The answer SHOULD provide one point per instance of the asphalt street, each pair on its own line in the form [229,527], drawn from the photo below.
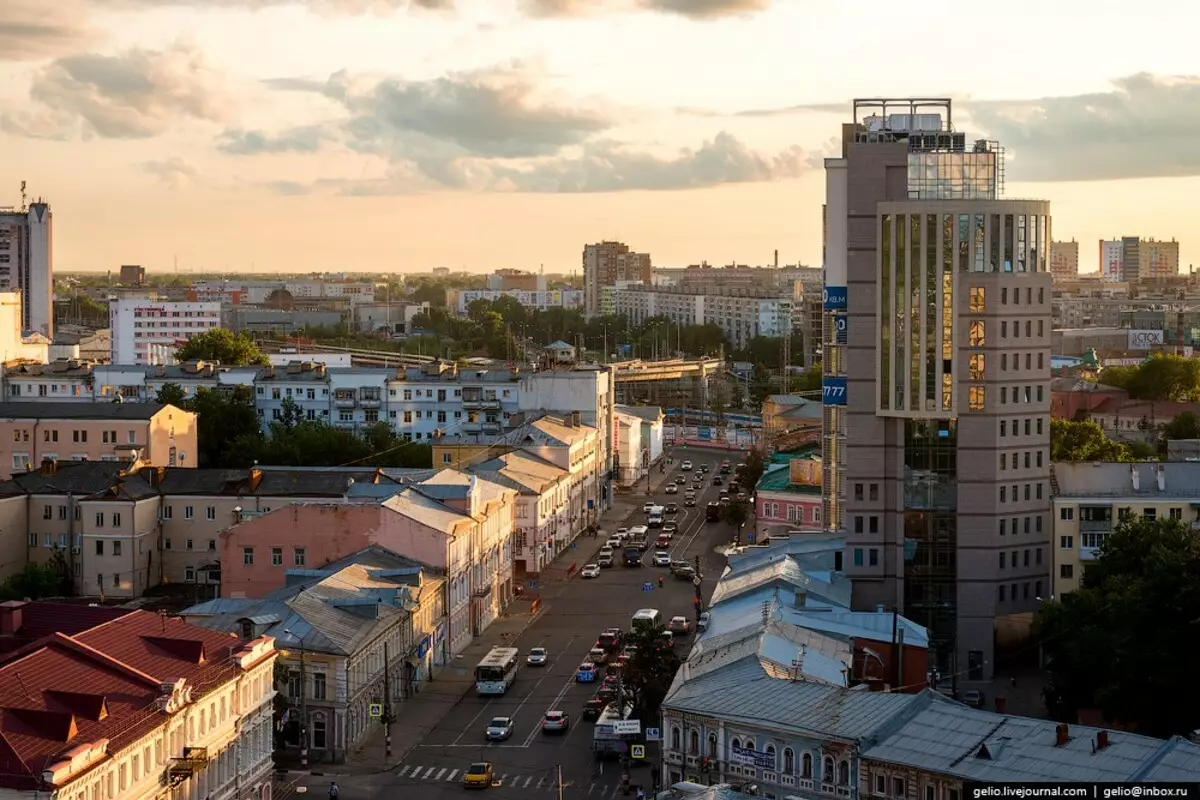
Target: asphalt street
[528,763]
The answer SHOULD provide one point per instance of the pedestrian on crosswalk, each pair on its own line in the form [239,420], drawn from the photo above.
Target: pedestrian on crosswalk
[333,789]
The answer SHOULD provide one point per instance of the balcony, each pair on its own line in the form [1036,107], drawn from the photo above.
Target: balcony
[344,401]
[1089,553]
[1095,526]
[480,404]
[370,402]
[194,760]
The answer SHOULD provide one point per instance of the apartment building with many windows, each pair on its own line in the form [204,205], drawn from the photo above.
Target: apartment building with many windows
[607,264]
[740,316]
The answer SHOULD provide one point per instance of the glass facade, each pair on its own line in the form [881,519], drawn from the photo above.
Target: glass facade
[930,531]
[885,317]
[953,176]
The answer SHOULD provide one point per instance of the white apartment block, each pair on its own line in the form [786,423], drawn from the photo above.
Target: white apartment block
[740,317]
[542,300]
[258,292]
[146,331]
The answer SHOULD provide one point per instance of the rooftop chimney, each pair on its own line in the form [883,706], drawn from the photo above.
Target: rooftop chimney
[10,617]
[1134,477]
[1062,735]
[1160,472]
[1101,740]
[49,467]
[801,598]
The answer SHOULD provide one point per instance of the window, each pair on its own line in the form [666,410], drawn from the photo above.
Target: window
[977,364]
[1002,494]
[806,765]
[827,770]
[1066,571]
[318,685]
[1000,593]
[99,547]
[675,738]
[1004,295]
[210,512]
[116,519]
[116,548]
[873,557]
[188,545]
[978,298]
[694,742]
[1039,426]
[1003,427]
[276,556]
[248,556]
[1002,558]
[116,579]
[858,524]
[898,787]
[976,400]
[844,773]
[977,335]
[929,793]
[1066,513]
[298,557]
[1003,395]
[1002,526]
[858,491]
[318,733]
[858,556]
[1004,329]
[873,492]
[189,512]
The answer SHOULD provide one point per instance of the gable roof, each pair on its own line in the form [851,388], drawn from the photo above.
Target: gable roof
[87,479]
[82,411]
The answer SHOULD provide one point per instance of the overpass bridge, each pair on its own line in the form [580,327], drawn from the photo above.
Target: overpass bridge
[671,369]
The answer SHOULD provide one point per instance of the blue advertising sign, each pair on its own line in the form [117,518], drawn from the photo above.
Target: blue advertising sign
[704,433]
[840,328]
[834,298]
[833,391]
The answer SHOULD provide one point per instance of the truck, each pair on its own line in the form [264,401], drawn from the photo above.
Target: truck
[656,516]
[712,512]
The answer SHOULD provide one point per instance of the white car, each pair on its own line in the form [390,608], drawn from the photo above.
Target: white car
[590,571]
[555,722]
[607,550]
[622,532]
[703,621]
[499,729]
[662,559]
[686,466]
[613,543]
[537,657]
[672,488]
[646,508]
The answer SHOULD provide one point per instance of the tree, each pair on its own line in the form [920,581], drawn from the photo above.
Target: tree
[752,468]
[1085,441]
[1160,377]
[1120,642]
[647,675]
[35,581]
[227,426]
[1184,426]
[171,394]
[432,293]
[218,344]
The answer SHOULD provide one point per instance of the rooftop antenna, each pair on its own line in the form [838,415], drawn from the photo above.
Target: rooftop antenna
[24,205]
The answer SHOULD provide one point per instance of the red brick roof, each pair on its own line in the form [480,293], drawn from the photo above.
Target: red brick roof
[42,619]
[103,682]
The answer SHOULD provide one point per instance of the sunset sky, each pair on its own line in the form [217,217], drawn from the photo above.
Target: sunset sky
[402,135]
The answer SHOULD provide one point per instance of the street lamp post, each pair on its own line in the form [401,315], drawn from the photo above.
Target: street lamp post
[303,702]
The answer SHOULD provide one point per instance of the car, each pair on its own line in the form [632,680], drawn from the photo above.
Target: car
[662,559]
[741,497]
[606,693]
[703,622]
[538,656]
[622,532]
[478,775]
[705,467]
[685,572]
[672,488]
[646,508]
[668,639]
[672,508]
[690,501]
[598,655]
[590,570]
[499,729]
[610,639]
[556,722]
[677,563]
[681,479]
[594,707]
[663,543]
[973,697]
[669,528]
[724,469]
[604,561]
[586,673]
[679,626]
[686,466]
[717,480]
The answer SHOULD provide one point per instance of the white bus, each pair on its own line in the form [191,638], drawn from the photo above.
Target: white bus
[497,671]
[647,618]
[615,731]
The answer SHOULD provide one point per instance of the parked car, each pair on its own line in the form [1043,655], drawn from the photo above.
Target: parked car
[703,622]
[679,626]
[662,559]
[672,488]
[499,729]
[591,570]
[556,722]
[604,561]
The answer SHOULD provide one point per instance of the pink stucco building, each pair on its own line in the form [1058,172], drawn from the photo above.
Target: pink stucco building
[452,522]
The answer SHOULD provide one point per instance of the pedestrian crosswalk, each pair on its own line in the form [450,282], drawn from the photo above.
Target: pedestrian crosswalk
[543,781]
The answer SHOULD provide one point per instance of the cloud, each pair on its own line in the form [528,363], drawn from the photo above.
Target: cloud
[175,172]
[32,30]
[693,9]
[1144,128]
[137,94]
[782,111]
[381,7]
[307,139]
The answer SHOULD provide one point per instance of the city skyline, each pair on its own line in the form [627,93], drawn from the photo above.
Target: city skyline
[494,136]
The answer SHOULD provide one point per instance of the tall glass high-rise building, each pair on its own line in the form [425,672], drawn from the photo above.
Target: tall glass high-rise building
[937,370]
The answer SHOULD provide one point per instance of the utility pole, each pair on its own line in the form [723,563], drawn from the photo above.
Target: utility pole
[303,710]
[387,709]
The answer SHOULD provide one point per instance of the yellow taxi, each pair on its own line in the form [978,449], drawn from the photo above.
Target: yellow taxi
[478,775]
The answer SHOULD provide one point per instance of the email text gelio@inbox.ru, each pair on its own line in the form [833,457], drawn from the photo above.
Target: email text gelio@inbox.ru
[1096,791]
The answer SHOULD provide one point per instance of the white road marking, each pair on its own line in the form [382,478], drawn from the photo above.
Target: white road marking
[528,781]
[541,780]
[425,777]
[450,777]
[441,773]
[404,771]
[500,782]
